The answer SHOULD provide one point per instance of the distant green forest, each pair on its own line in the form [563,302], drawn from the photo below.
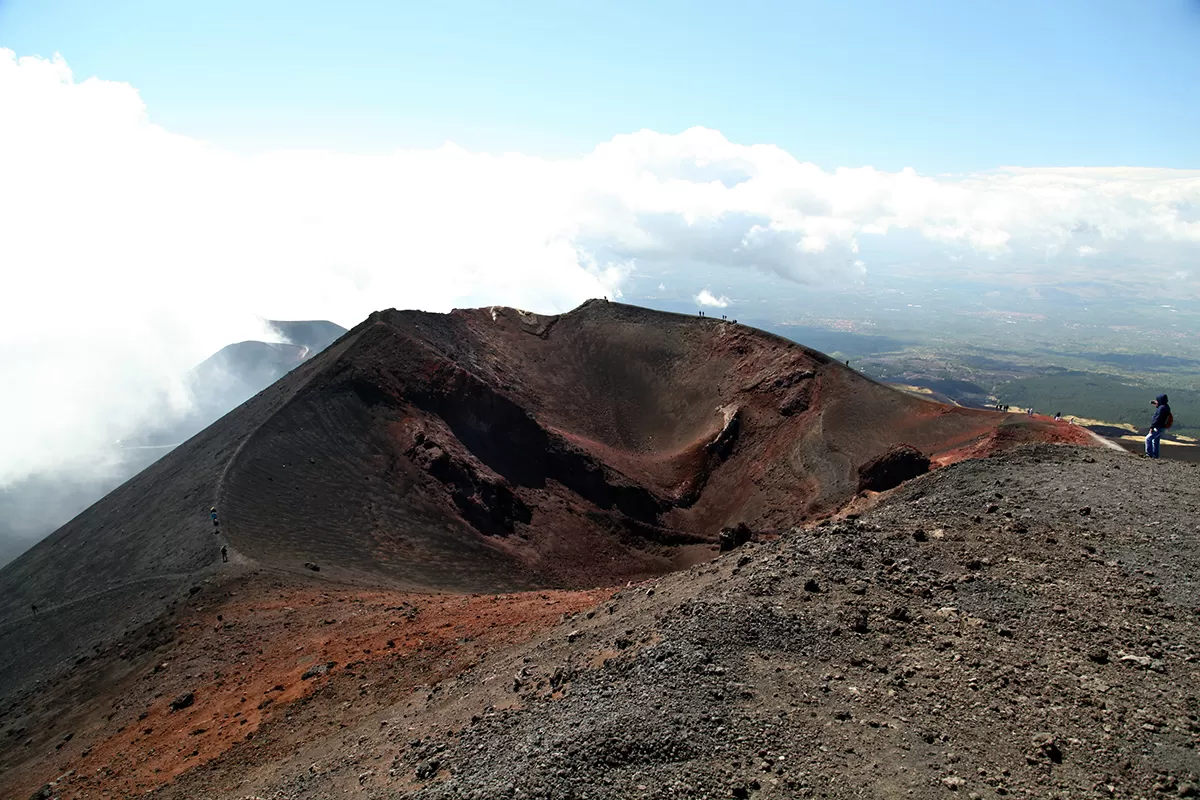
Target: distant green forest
[1103,397]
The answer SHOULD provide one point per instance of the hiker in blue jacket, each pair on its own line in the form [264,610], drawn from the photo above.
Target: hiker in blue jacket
[1162,420]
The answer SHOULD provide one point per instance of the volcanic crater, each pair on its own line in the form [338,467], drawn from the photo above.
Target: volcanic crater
[468,454]
[493,449]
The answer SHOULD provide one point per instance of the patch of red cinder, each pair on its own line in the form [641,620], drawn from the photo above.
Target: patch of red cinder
[1017,431]
[244,659]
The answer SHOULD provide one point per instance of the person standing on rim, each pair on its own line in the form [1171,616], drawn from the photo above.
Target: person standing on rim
[1161,421]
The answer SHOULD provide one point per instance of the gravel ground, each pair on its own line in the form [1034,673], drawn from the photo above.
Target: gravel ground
[1018,626]
[1015,626]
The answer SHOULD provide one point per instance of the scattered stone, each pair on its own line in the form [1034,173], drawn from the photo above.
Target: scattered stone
[318,669]
[1141,662]
[1047,747]
[183,701]
[312,566]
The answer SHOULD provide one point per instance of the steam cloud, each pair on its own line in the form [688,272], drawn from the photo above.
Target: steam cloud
[130,253]
[706,298]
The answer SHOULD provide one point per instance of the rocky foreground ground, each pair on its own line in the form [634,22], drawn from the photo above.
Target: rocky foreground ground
[1023,625]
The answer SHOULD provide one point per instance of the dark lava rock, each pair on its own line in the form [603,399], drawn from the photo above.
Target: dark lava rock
[733,537]
[183,701]
[312,566]
[427,769]
[899,464]
[722,446]
[796,401]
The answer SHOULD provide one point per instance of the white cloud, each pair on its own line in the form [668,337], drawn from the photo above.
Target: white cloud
[128,253]
[706,298]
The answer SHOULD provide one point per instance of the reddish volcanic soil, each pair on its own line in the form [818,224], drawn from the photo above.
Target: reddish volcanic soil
[401,486]
[242,649]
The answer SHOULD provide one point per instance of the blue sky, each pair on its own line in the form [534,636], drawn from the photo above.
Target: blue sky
[939,86]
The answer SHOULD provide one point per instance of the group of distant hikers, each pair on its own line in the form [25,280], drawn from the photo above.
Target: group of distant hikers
[723,316]
[212,512]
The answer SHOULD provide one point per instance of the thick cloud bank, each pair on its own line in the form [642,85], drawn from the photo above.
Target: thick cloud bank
[130,253]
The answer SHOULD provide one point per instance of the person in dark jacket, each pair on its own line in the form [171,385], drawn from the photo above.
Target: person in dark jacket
[1158,424]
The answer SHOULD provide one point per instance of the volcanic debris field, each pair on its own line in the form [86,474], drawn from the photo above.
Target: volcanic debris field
[475,555]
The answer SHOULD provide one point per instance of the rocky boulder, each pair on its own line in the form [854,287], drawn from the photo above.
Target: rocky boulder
[900,463]
[734,536]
